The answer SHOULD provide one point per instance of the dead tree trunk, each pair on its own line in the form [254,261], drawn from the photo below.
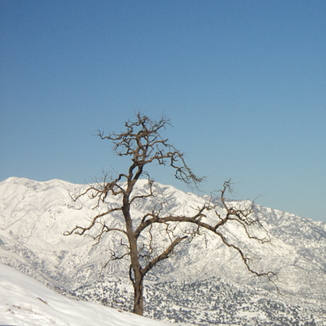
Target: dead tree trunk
[138,295]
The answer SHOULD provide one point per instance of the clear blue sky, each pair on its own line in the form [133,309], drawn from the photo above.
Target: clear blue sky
[243,82]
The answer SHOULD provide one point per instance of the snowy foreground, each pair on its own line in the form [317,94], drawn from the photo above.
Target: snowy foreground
[24,301]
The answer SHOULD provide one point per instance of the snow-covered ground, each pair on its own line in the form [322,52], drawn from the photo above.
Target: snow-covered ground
[24,301]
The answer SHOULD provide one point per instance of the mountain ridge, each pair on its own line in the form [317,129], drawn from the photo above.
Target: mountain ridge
[34,215]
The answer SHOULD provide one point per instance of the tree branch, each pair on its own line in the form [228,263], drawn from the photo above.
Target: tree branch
[81,230]
[164,255]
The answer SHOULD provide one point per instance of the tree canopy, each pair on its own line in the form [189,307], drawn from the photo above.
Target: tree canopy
[143,144]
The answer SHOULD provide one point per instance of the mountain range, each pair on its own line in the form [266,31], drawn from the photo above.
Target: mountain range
[203,283]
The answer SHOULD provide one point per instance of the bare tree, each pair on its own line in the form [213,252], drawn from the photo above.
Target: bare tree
[143,144]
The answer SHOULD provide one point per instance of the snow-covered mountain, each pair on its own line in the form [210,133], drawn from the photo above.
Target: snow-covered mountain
[34,215]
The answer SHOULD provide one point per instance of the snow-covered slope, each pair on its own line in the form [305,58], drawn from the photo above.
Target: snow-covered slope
[34,215]
[24,301]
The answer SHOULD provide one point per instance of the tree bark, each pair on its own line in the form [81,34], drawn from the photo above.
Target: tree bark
[138,295]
